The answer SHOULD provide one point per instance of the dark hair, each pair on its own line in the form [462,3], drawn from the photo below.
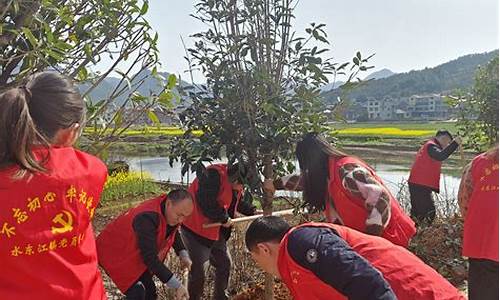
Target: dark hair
[178,195]
[442,132]
[238,172]
[313,153]
[266,229]
[32,114]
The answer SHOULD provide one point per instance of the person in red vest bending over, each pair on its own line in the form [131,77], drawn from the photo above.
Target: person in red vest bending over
[133,247]
[426,172]
[218,194]
[347,189]
[319,261]
[478,200]
[49,192]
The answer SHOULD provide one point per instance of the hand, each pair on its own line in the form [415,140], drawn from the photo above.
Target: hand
[181,293]
[268,186]
[228,223]
[458,140]
[185,262]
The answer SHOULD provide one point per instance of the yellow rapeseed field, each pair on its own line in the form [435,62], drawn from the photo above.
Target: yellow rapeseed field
[353,131]
[384,131]
[123,184]
[151,131]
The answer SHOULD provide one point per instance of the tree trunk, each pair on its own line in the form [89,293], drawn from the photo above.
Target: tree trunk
[267,207]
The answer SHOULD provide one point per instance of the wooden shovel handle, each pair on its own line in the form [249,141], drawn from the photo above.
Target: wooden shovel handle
[250,218]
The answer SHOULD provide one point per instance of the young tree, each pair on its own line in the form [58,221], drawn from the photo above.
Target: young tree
[262,86]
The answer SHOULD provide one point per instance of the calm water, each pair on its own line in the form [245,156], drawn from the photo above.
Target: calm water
[392,175]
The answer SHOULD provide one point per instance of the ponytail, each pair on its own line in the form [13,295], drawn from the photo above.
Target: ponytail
[18,132]
[31,116]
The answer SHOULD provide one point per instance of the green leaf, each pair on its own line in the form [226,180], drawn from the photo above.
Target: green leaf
[165,99]
[119,118]
[144,8]
[48,33]
[244,52]
[53,54]
[314,49]
[298,45]
[88,50]
[63,45]
[153,117]
[82,74]
[138,98]
[172,81]
[29,35]
[323,39]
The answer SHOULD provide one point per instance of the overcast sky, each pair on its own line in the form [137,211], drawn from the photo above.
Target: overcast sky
[405,34]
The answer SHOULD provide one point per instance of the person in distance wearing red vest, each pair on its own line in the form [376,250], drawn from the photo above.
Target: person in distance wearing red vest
[217,193]
[426,172]
[133,247]
[347,190]
[49,192]
[319,261]
[478,200]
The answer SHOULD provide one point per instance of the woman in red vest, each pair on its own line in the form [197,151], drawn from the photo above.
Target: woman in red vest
[217,194]
[133,247]
[319,261]
[347,190]
[426,173]
[49,192]
[478,200]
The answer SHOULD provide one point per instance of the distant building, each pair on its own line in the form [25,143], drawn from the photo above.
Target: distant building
[429,107]
[383,109]
[416,107]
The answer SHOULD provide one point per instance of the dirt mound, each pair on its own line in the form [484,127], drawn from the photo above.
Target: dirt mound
[440,246]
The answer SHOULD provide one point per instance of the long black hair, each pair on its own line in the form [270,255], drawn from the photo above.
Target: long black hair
[313,153]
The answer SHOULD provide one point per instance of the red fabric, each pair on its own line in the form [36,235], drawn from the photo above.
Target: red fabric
[351,209]
[196,220]
[426,171]
[117,245]
[47,245]
[481,220]
[408,276]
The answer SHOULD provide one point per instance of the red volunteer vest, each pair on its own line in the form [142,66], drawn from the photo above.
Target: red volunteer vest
[408,276]
[425,170]
[351,209]
[481,220]
[117,245]
[196,220]
[47,245]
